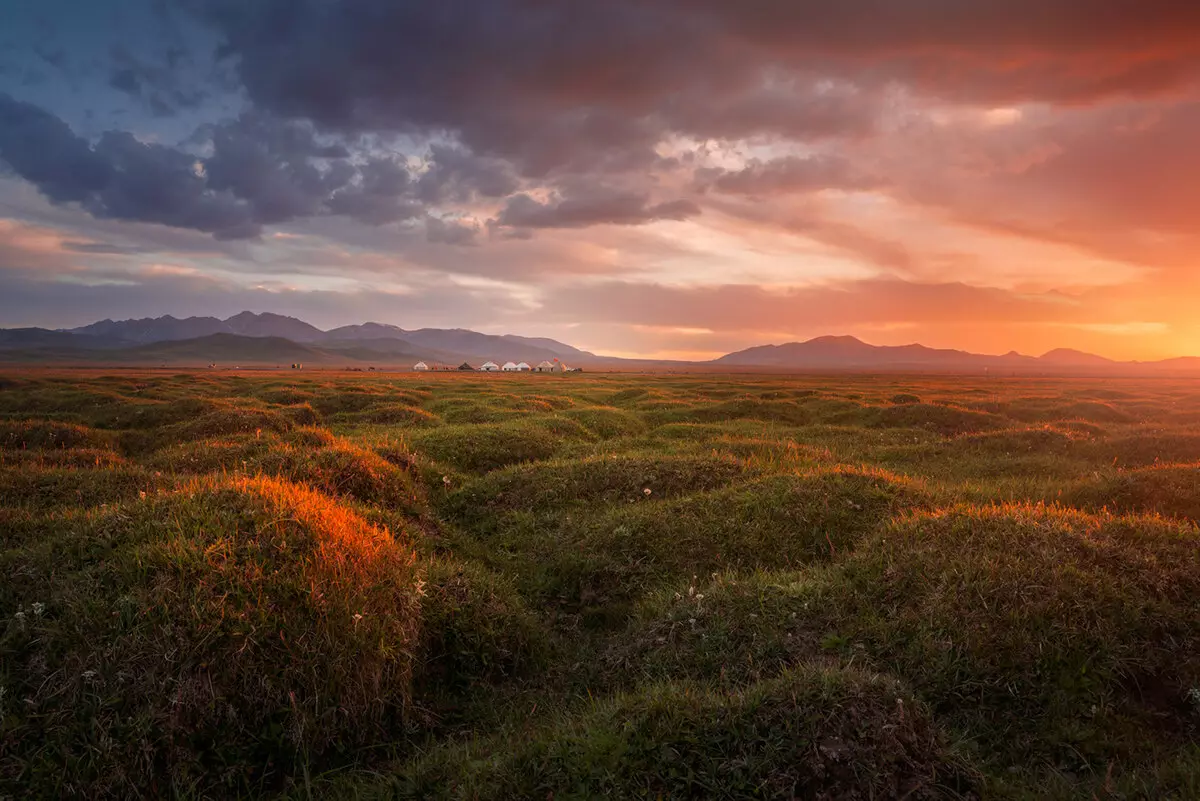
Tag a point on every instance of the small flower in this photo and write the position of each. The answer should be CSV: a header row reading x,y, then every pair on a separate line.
x,y
646,492
699,596
446,480
357,618
1193,695
692,620
89,675
39,608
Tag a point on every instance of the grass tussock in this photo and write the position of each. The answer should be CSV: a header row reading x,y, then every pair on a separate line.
x,y
490,446
395,414
550,487
308,456
476,629
1059,629
46,435
1171,490
806,734
599,564
48,487
607,422
207,640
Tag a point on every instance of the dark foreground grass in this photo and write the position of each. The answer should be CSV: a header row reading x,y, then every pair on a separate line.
x,y
465,586
806,734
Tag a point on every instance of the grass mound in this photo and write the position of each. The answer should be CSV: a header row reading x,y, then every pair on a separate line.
x,y
1015,441
226,422
607,422
48,435
43,487
551,486
476,628
1044,629
351,399
1172,490
286,396
1145,448
807,734
1047,635
744,408
396,414
308,456
75,457
948,421
1048,410
204,641
489,446
773,522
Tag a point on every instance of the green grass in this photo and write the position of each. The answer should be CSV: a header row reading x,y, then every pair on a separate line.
x,y
598,585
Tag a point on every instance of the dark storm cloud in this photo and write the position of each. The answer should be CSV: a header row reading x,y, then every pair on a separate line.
x,y
542,83
261,171
594,207
42,149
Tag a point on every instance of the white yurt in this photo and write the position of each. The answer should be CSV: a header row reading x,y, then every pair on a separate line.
x,y
509,367
421,366
523,367
489,367
545,366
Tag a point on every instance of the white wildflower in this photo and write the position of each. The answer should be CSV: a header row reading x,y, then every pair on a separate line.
x,y
1193,695
646,492
39,608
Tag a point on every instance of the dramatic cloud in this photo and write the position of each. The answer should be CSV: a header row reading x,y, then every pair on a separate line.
x,y
697,173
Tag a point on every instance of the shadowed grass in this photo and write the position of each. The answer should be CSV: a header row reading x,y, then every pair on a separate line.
x,y
26,434
775,522
806,734
1172,490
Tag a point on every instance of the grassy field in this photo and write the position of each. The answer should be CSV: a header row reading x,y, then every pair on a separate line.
x,y
325,585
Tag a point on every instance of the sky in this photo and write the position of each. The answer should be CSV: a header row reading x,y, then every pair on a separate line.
x,y
656,178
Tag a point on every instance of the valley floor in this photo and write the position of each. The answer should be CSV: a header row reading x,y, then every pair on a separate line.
x,y
581,586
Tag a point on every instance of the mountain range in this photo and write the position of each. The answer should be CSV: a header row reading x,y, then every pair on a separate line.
x,y
271,339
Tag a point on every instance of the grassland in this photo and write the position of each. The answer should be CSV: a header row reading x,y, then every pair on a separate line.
x,y
324,585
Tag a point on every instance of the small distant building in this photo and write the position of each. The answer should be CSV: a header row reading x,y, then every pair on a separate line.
x,y
440,367
489,367
466,368
421,366
523,367
509,367
544,367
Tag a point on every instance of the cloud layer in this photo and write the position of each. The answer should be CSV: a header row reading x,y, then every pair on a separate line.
x,y
1012,172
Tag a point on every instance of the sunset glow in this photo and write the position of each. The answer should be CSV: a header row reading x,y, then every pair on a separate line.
x,y
665,179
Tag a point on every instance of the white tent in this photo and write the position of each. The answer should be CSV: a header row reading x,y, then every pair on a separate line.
x,y
489,367
420,366
523,367
545,367
509,367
